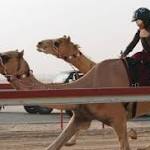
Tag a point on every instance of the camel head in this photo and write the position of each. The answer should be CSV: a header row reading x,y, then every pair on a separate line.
x,y
12,64
61,48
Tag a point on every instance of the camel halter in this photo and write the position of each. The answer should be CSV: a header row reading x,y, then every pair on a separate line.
x,y
70,57
11,77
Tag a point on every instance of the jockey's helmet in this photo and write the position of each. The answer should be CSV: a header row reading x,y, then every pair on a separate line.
x,y
142,14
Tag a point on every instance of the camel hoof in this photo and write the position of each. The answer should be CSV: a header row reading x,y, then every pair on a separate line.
x,y
132,134
70,143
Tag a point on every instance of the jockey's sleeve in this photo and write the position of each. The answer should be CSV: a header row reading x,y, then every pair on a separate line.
x,y
132,43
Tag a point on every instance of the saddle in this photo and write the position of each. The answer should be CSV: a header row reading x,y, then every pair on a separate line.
x,y
132,66
138,72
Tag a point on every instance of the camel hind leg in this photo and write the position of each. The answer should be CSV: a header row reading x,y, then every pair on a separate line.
x,y
74,125
120,127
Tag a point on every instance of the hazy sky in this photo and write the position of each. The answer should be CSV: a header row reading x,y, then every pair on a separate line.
x,y
101,27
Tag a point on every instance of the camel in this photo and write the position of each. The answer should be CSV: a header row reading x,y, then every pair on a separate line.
x,y
17,71
70,53
65,49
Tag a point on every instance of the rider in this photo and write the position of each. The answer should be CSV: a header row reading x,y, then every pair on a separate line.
x,y
142,18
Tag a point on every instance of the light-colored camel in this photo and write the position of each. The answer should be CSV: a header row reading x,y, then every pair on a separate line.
x,y
65,49
109,73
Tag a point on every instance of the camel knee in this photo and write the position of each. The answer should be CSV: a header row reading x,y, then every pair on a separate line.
x,y
120,126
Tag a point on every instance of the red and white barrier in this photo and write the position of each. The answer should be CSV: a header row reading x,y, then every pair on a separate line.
x,y
4,86
74,96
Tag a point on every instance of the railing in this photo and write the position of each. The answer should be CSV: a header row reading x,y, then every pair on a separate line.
x,y
5,86
74,96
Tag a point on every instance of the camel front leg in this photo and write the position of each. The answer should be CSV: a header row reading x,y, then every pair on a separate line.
x,y
73,139
84,126
73,126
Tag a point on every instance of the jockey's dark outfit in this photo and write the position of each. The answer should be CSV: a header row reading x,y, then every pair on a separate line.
x,y
144,55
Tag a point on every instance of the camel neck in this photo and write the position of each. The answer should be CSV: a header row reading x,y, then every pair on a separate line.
x,y
27,83
31,83
83,63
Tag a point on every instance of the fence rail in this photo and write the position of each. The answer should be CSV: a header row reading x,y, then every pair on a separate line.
x,y
5,86
74,96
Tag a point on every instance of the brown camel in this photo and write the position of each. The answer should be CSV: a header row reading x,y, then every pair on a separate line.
x,y
109,73
65,49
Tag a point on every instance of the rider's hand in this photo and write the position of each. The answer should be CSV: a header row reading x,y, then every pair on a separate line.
x,y
122,55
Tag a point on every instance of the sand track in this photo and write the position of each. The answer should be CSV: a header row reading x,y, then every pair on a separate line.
x,y
39,136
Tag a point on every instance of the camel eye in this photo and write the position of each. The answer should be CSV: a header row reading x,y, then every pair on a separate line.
x,y
40,43
56,44
5,58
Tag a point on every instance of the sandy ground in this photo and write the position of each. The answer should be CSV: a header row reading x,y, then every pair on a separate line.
x,y
39,136
22,131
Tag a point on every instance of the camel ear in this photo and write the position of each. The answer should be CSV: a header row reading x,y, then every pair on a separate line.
x,y
68,38
65,37
21,54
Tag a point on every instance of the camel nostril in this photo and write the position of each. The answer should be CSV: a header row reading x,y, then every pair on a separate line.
x,y
40,43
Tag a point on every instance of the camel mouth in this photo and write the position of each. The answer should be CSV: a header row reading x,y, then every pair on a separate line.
x,y
41,50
